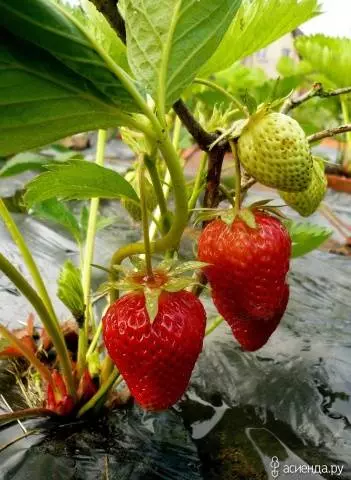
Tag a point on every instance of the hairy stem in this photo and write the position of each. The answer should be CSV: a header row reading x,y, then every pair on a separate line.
x,y
88,260
144,218
347,119
202,138
317,90
166,181
109,8
150,164
55,334
91,231
329,132
214,169
237,179
27,413
198,182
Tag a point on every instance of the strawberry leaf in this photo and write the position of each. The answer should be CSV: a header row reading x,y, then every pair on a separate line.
x,y
59,213
151,302
22,163
306,237
257,24
78,179
169,41
56,31
328,56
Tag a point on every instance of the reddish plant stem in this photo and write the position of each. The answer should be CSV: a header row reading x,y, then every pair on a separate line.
x,y
27,413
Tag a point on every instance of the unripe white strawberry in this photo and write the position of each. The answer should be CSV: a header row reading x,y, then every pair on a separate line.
x,y
307,202
274,150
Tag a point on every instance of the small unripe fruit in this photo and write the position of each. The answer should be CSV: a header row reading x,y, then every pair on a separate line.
x,y
307,202
274,150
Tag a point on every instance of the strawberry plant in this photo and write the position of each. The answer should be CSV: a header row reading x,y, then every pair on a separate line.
x,y
67,70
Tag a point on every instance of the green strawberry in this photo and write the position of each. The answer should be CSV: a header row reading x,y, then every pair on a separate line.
x,y
308,201
274,149
132,208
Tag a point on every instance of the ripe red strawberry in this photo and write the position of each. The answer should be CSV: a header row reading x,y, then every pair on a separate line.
x,y
251,333
155,359
247,273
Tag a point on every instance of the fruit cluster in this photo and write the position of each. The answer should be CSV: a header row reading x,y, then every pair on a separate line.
x,y
274,150
245,260
247,270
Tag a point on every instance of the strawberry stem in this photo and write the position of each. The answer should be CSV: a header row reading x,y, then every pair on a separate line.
x,y
166,181
198,183
27,413
144,218
237,178
88,260
150,163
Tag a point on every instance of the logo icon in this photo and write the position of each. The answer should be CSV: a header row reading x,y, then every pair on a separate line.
x,y
274,466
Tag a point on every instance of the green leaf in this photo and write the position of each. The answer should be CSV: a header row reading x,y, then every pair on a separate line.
x,y
78,179
70,290
41,100
151,302
23,162
102,32
306,237
54,29
59,213
169,41
257,24
328,56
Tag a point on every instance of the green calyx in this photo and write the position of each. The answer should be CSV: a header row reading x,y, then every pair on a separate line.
x,y
166,277
246,214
